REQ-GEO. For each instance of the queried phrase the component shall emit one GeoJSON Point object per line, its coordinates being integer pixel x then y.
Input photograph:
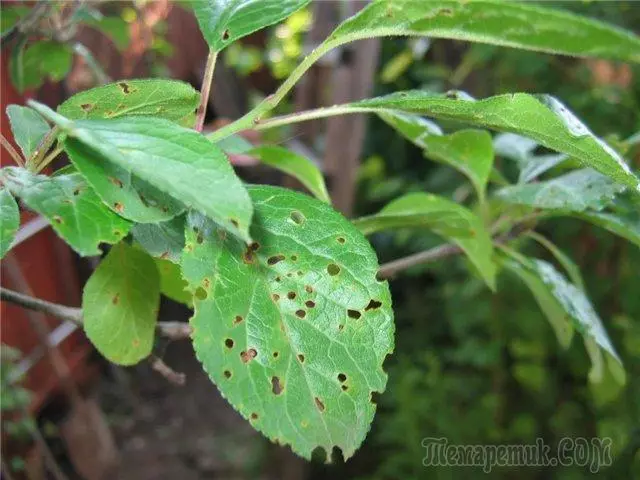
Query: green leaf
{"type": "Point", "coordinates": [172, 284]}
{"type": "Point", "coordinates": [444, 217]}
{"type": "Point", "coordinates": [521, 150]}
{"type": "Point", "coordinates": [9, 220]}
{"type": "Point", "coordinates": [170, 99]}
{"type": "Point", "coordinates": [576, 191]}
{"type": "Point", "coordinates": [299, 167]}
{"type": "Point", "coordinates": [234, 144]}
{"type": "Point", "coordinates": [176, 161]}
{"type": "Point", "coordinates": [224, 21]}
{"type": "Point", "coordinates": [577, 307]}
{"type": "Point", "coordinates": [294, 328]}
{"type": "Point", "coordinates": [563, 259]}
{"type": "Point", "coordinates": [28, 128]}
{"type": "Point", "coordinates": [115, 28]}
{"type": "Point", "coordinates": [540, 117]}
{"type": "Point", "coordinates": [41, 60]}
{"type": "Point", "coordinates": [10, 15]}
{"type": "Point", "coordinates": [495, 22]}
{"type": "Point", "coordinates": [71, 206]}
{"type": "Point", "coordinates": [626, 226]}
{"type": "Point", "coordinates": [120, 303]}
{"type": "Point", "coordinates": [163, 240]}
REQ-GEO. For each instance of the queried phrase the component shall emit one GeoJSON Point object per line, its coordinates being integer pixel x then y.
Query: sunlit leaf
{"type": "Point", "coordinates": [294, 328]}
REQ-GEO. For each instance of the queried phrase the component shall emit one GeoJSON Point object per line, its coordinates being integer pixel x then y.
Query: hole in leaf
{"type": "Point", "coordinates": [310, 303]}
{"type": "Point", "coordinates": [341, 327]}
{"type": "Point", "coordinates": [249, 355]}
{"type": "Point", "coordinates": [276, 386]}
{"type": "Point", "coordinates": [228, 343]}
{"type": "Point", "coordinates": [333, 269]}
{"type": "Point", "coordinates": [199, 238]}
{"type": "Point", "coordinates": [58, 219]}
{"type": "Point", "coordinates": [254, 416]}
{"type": "Point", "coordinates": [297, 217]}
{"type": "Point", "coordinates": [300, 273]}
{"type": "Point", "coordinates": [342, 377]}
{"type": "Point", "coordinates": [238, 319]}
{"type": "Point", "coordinates": [227, 374]}
{"type": "Point", "coordinates": [201, 293]}
{"type": "Point", "coordinates": [77, 192]}
{"type": "Point", "coordinates": [116, 299]}
{"type": "Point", "coordinates": [277, 279]}
{"type": "Point", "coordinates": [319, 404]}
{"type": "Point", "coordinates": [291, 295]}
{"type": "Point", "coordinates": [225, 35]}
{"type": "Point", "coordinates": [275, 297]}
{"type": "Point", "coordinates": [308, 289]}
{"type": "Point", "coordinates": [234, 222]}
{"type": "Point", "coordinates": [300, 313]}
{"type": "Point", "coordinates": [275, 259]}
{"type": "Point", "coordinates": [319, 455]}
{"type": "Point", "coordinates": [341, 240]}
{"type": "Point", "coordinates": [301, 358]}
{"type": "Point", "coordinates": [254, 246]}
{"type": "Point", "coordinates": [355, 314]}
{"type": "Point", "coordinates": [344, 387]}
{"type": "Point", "coordinates": [373, 304]}
{"type": "Point", "coordinates": [294, 258]}
{"type": "Point", "coordinates": [275, 354]}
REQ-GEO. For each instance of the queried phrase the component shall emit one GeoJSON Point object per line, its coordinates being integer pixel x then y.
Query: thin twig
{"type": "Point", "coordinates": [26, 24]}
{"type": "Point", "coordinates": [176, 378]}
{"type": "Point", "coordinates": [207, 80]}
{"type": "Point", "coordinates": [49, 158]}
{"type": "Point", "coordinates": [12, 151]}
{"type": "Point", "coordinates": [171, 330]}
{"type": "Point", "coordinates": [100, 75]}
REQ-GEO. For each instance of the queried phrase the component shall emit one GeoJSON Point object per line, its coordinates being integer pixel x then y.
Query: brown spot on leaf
{"type": "Point", "coordinates": [228, 343]}
{"type": "Point", "coordinates": [227, 374]}
{"type": "Point", "coordinates": [87, 107]}
{"type": "Point", "coordinates": [275, 259]}
{"type": "Point", "coordinates": [222, 235]}
{"type": "Point", "coordinates": [126, 89]}
{"type": "Point", "coordinates": [248, 355]}
{"type": "Point", "coordinates": [319, 404]}
{"type": "Point", "coordinates": [116, 181]}
{"type": "Point", "coordinates": [275, 354]}
{"type": "Point", "coordinates": [238, 319]}
{"type": "Point", "coordinates": [342, 377]}
{"type": "Point", "coordinates": [308, 289]}
{"type": "Point", "coordinates": [199, 238]}
{"type": "Point", "coordinates": [201, 293]}
{"type": "Point", "coordinates": [226, 35]}
{"type": "Point", "coordinates": [254, 416]}
{"type": "Point", "coordinates": [254, 246]}
{"type": "Point", "coordinates": [135, 343]}
{"type": "Point", "coordinates": [297, 217]}
{"type": "Point", "coordinates": [294, 258]}
{"type": "Point", "coordinates": [333, 269]}
{"type": "Point", "coordinates": [275, 297]}
{"type": "Point", "coordinates": [344, 387]}
{"type": "Point", "coordinates": [355, 314]}
{"type": "Point", "coordinates": [291, 295]}
{"type": "Point", "coordinates": [77, 192]}
{"type": "Point", "coordinates": [301, 358]}
{"type": "Point", "coordinates": [341, 240]}
{"type": "Point", "coordinates": [310, 303]}
{"type": "Point", "coordinates": [276, 386]}
{"type": "Point", "coordinates": [373, 304]}
{"type": "Point", "coordinates": [206, 283]}
{"type": "Point", "coordinates": [248, 256]}
{"type": "Point", "coordinates": [118, 207]}
{"type": "Point", "coordinates": [164, 255]}
{"type": "Point", "coordinates": [300, 313]}
{"type": "Point", "coordinates": [234, 222]}
{"type": "Point", "coordinates": [58, 219]}
{"type": "Point", "coordinates": [340, 327]}
{"type": "Point", "coordinates": [116, 299]}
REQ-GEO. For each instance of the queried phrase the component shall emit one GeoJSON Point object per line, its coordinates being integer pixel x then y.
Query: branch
{"type": "Point", "coordinates": [171, 330]}
{"type": "Point", "coordinates": [207, 79]}
{"type": "Point", "coordinates": [26, 24]}
{"type": "Point", "coordinates": [177, 378]}
{"type": "Point", "coordinates": [12, 151]}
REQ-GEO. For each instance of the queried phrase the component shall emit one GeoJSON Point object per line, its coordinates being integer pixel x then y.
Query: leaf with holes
{"type": "Point", "coordinates": [496, 22]}
{"type": "Point", "coordinates": [163, 240]}
{"type": "Point", "coordinates": [295, 165]}
{"type": "Point", "coordinates": [120, 304]}
{"type": "Point", "coordinates": [170, 99]}
{"type": "Point", "coordinates": [9, 220]}
{"type": "Point", "coordinates": [444, 217]}
{"type": "Point", "coordinates": [293, 328]}
{"type": "Point", "coordinates": [154, 152]}
{"type": "Point", "coordinates": [224, 21]}
{"type": "Point", "coordinates": [28, 128]}
{"type": "Point", "coordinates": [71, 206]}
{"type": "Point", "coordinates": [576, 191]}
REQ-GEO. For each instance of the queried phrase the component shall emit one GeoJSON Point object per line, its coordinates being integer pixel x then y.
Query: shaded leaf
{"type": "Point", "coordinates": [164, 240]}
{"type": "Point", "coordinates": [234, 144]}
{"type": "Point", "coordinates": [115, 28]}
{"type": "Point", "coordinates": [120, 303]}
{"type": "Point", "coordinates": [10, 15]}
{"type": "Point", "coordinates": [176, 161]}
{"type": "Point", "coordinates": [626, 226]}
{"type": "Point", "coordinates": [444, 217]}
{"type": "Point", "coordinates": [294, 328]}
{"type": "Point", "coordinates": [71, 206]}
{"type": "Point", "coordinates": [299, 167]}
{"type": "Point", "coordinates": [224, 21]}
{"type": "Point", "coordinates": [28, 128]}
{"type": "Point", "coordinates": [563, 259]}
{"type": "Point", "coordinates": [521, 150]}
{"type": "Point", "coordinates": [39, 61]}
{"type": "Point", "coordinates": [172, 284]}
{"type": "Point", "coordinates": [159, 98]}
{"type": "Point", "coordinates": [9, 220]}
{"type": "Point", "coordinates": [575, 191]}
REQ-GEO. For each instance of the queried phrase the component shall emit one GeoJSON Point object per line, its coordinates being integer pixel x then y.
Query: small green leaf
{"type": "Point", "coordinates": [540, 117]}
{"type": "Point", "coordinates": [563, 259]}
{"type": "Point", "coordinates": [172, 284]}
{"type": "Point", "coordinates": [41, 60]}
{"type": "Point", "coordinates": [170, 99]}
{"type": "Point", "coordinates": [9, 220]}
{"type": "Point", "coordinates": [120, 304]}
{"type": "Point", "coordinates": [163, 240]}
{"type": "Point", "coordinates": [521, 150]}
{"type": "Point", "coordinates": [174, 160]}
{"type": "Point", "coordinates": [294, 328]}
{"type": "Point", "coordinates": [115, 28]}
{"type": "Point", "coordinates": [626, 226]}
{"type": "Point", "coordinates": [576, 191]}
{"type": "Point", "coordinates": [224, 21]}
{"type": "Point", "coordinates": [299, 167]}
{"type": "Point", "coordinates": [28, 128]}
{"type": "Point", "coordinates": [495, 22]}
{"type": "Point", "coordinates": [71, 206]}
{"type": "Point", "coordinates": [444, 217]}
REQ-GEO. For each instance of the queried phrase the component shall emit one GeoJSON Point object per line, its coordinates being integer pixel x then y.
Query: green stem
{"type": "Point", "coordinates": [314, 114]}
{"type": "Point", "coordinates": [12, 151]}
{"type": "Point", "coordinates": [48, 159]}
{"type": "Point", "coordinates": [207, 80]}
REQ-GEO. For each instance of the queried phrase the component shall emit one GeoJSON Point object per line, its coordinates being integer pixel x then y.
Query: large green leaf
{"type": "Point", "coordinates": [120, 304]}
{"type": "Point", "coordinates": [469, 151]}
{"type": "Point", "coordinates": [293, 328]}
{"type": "Point", "coordinates": [9, 220]}
{"type": "Point", "coordinates": [159, 98]}
{"type": "Point", "coordinates": [295, 165]}
{"type": "Point", "coordinates": [28, 128]}
{"type": "Point", "coordinates": [575, 191]}
{"type": "Point", "coordinates": [176, 161]}
{"type": "Point", "coordinates": [224, 21]}
{"type": "Point", "coordinates": [164, 240]}
{"type": "Point", "coordinates": [577, 307]}
{"type": "Point", "coordinates": [540, 117]}
{"type": "Point", "coordinates": [444, 217]}
{"type": "Point", "coordinates": [71, 206]}
{"type": "Point", "coordinates": [496, 22]}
